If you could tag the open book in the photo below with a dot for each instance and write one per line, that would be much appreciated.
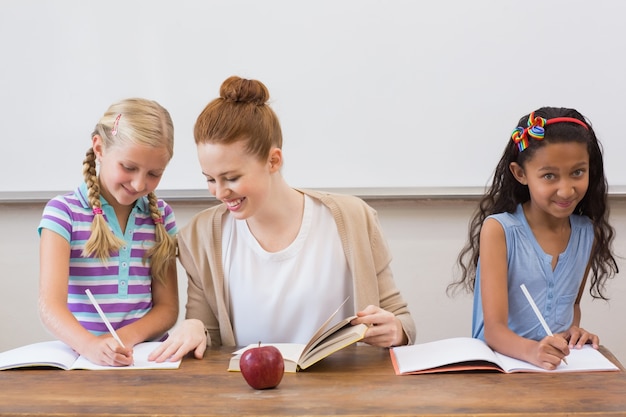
(466, 353)
(56, 354)
(324, 342)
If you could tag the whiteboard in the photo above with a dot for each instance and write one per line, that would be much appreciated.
(370, 93)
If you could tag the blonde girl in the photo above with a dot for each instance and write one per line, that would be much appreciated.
(113, 236)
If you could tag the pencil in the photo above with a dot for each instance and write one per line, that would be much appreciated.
(537, 312)
(104, 318)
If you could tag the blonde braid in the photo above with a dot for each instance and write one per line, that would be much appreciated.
(163, 253)
(102, 240)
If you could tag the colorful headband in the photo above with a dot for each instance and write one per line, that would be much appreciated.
(536, 129)
(115, 124)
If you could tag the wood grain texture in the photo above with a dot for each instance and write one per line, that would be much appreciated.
(358, 380)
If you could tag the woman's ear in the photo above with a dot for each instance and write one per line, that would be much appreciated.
(518, 173)
(275, 159)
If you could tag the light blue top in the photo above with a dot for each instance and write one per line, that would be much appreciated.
(554, 291)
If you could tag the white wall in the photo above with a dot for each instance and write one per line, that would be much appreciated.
(370, 79)
(424, 236)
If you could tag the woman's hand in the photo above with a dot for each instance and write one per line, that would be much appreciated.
(182, 340)
(385, 329)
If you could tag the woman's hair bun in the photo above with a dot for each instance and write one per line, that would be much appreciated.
(240, 90)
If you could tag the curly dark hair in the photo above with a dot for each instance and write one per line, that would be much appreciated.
(505, 193)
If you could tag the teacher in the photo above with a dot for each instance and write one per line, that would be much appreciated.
(271, 263)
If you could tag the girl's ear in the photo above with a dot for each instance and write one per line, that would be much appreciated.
(518, 173)
(96, 144)
(275, 159)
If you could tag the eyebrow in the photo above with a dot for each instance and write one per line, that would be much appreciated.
(223, 174)
(579, 165)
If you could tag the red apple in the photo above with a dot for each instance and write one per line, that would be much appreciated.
(262, 367)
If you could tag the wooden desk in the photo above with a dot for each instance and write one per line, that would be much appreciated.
(358, 380)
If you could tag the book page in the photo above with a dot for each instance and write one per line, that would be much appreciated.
(323, 331)
(53, 353)
(140, 355)
(290, 351)
(586, 359)
(454, 351)
(338, 340)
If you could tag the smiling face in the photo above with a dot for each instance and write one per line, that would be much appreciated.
(129, 172)
(241, 180)
(557, 177)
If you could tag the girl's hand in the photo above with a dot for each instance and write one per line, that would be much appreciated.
(185, 338)
(385, 330)
(549, 352)
(578, 337)
(105, 350)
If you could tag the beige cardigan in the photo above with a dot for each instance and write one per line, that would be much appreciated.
(367, 253)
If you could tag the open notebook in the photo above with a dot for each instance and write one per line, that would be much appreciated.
(467, 354)
(56, 354)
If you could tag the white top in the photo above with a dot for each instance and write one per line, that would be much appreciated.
(285, 296)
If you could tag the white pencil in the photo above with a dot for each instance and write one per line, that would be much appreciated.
(537, 312)
(103, 317)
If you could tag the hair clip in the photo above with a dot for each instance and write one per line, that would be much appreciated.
(115, 124)
(158, 220)
(536, 129)
(535, 126)
(520, 139)
(96, 211)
